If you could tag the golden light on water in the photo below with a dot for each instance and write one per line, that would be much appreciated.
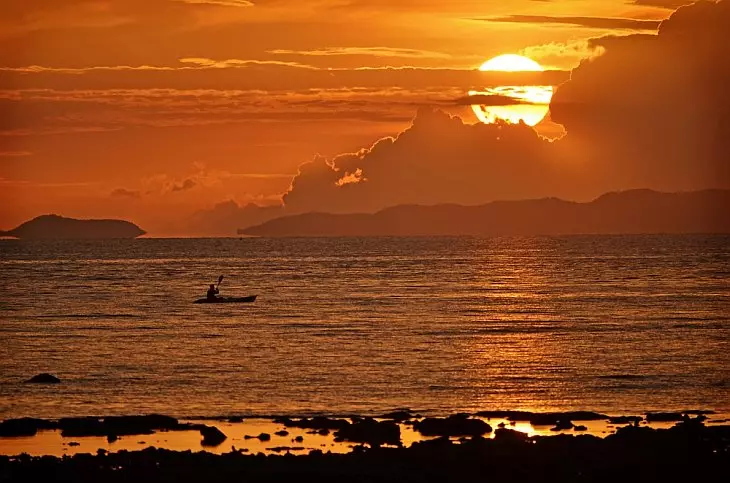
(531, 102)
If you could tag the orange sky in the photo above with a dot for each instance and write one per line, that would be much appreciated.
(158, 110)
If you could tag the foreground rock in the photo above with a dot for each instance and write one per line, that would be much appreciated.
(457, 425)
(315, 423)
(369, 431)
(23, 427)
(212, 436)
(111, 427)
(687, 452)
(544, 419)
(43, 378)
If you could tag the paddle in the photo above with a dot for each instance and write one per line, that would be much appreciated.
(220, 279)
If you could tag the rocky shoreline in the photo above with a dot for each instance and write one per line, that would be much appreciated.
(688, 451)
(374, 431)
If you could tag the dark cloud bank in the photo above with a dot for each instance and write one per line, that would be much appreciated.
(651, 112)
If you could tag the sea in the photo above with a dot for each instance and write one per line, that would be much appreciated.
(616, 324)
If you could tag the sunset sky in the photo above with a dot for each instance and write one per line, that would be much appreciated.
(176, 114)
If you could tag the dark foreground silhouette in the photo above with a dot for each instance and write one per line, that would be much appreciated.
(59, 227)
(628, 212)
(689, 451)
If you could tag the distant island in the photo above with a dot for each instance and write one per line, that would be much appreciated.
(627, 212)
(58, 227)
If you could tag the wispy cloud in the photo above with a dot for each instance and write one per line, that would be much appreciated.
(668, 4)
(222, 3)
(233, 63)
(197, 63)
(185, 185)
(15, 154)
(372, 51)
(609, 23)
(488, 100)
(125, 193)
(562, 53)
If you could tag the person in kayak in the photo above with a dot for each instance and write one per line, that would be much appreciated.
(212, 292)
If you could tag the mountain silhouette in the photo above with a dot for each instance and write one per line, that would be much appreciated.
(59, 227)
(627, 212)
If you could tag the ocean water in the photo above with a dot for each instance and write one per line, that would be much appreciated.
(619, 324)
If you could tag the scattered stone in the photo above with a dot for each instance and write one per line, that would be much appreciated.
(119, 425)
(503, 434)
(23, 426)
(299, 439)
(562, 426)
(323, 432)
(501, 425)
(543, 419)
(74, 443)
(43, 378)
(111, 438)
(282, 433)
(457, 425)
(133, 425)
(261, 437)
(235, 419)
(398, 416)
(212, 436)
(79, 427)
(370, 431)
(281, 449)
(625, 419)
(664, 417)
(580, 427)
(317, 422)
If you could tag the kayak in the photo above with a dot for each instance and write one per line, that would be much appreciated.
(227, 300)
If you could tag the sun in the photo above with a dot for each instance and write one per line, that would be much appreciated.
(511, 63)
(533, 102)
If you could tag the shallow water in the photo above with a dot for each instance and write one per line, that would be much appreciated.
(618, 324)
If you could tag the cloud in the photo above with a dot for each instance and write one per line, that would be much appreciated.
(15, 154)
(650, 112)
(372, 51)
(265, 75)
(439, 159)
(224, 218)
(668, 4)
(488, 100)
(185, 185)
(85, 100)
(222, 3)
(125, 193)
(200, 91)
(609, 23)
(658, 101)
(562, 53)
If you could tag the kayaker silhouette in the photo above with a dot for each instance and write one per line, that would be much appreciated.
(213, 290)
(210, 297)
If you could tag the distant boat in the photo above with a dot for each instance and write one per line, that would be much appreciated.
(227, 300)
